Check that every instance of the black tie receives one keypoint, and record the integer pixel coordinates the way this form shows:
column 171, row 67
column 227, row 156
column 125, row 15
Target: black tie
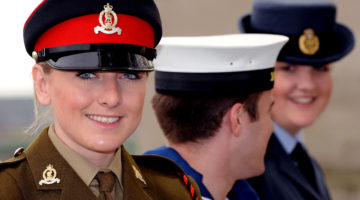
column 304, row 164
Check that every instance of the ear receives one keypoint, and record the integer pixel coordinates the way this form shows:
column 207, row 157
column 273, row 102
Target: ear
column 235, row 118
column 41, row 85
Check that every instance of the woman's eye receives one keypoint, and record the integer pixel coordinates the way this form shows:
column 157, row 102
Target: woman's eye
column 289, row 68
column 86, row 75
column 323, row 68
column 131, row 76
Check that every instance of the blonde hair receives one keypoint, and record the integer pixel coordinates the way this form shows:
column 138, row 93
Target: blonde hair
column 43, row 114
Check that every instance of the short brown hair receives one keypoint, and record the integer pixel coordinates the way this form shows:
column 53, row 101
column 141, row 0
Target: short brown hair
column 45, row 67
column 189, row 119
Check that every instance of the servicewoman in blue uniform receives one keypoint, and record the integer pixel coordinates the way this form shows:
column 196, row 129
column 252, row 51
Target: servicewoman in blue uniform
column 212, row 102
column 92, row 62
column 302, row 90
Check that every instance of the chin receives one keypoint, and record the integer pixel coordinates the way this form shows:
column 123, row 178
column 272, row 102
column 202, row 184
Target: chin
column 307, row 121
column 105, row 147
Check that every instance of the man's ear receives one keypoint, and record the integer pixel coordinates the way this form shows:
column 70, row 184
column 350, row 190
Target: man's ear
column 41, row 85
column 235, row 118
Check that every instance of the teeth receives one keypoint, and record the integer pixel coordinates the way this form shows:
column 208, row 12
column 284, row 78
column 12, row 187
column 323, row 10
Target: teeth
column 303, row 100
column 106, row 120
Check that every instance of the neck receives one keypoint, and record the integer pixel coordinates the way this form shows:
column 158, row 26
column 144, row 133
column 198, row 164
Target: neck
column 101, row 160
column 291, row 129
column 209, row 159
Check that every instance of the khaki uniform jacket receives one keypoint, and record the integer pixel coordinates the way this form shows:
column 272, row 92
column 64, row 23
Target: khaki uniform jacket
column 144, row 177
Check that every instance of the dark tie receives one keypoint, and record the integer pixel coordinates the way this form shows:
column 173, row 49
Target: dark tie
column 304, row 164
column 106, row 184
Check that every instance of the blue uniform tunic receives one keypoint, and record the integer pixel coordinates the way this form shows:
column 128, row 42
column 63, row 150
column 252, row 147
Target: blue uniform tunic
column 240, row 190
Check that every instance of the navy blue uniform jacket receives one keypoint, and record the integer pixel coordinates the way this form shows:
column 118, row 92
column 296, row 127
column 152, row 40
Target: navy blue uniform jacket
column 241, row 189
column 282, row 180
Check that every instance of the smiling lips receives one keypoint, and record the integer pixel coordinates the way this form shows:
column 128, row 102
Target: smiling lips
column 303, row 100
column 102, row 119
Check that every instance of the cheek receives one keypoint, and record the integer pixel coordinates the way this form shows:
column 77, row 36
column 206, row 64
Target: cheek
column 62, row 103
column 324, row 91
column 268, row 127
column 325, row 86
column 282, row 86
column 135, row 100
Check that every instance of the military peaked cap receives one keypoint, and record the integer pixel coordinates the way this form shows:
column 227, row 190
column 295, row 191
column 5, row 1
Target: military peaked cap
column 315, row 36
column 93, row 34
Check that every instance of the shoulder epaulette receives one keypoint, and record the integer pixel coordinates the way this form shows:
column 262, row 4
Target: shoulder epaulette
column 157, row 162
column 167, row 166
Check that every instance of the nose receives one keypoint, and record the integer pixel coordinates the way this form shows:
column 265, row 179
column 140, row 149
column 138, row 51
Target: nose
column 111, row 93
column 306, row 80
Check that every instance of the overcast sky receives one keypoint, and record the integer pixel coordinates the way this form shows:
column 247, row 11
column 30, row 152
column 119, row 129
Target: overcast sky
column 15, row 78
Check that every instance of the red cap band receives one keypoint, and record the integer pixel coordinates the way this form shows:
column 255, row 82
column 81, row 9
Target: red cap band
column 81, row 30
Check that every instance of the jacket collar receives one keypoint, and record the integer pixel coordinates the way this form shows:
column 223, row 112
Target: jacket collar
column 42, row 153
column 135, row 184
column 288, row 168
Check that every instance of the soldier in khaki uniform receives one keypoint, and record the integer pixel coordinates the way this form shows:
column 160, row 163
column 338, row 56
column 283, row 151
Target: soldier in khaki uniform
column 92, row 62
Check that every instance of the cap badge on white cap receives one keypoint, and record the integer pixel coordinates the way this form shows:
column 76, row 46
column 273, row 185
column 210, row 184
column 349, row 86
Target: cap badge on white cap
column 108, row 20
column 309, row 43
column 272, row 78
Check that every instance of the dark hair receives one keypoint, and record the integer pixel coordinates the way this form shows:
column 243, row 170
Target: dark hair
column 190, row 119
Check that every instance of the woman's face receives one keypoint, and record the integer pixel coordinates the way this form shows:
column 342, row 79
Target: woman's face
column 301, row 93
column 95, row 111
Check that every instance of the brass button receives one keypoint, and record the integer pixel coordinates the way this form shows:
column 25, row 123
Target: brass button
column 35, row 56
column 18, row 151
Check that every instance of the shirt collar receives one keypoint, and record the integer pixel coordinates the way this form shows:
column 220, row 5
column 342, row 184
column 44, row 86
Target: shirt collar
column 287, row 140
column 85, row 169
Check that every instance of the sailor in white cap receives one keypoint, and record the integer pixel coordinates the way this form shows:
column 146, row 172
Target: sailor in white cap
column 212, row 102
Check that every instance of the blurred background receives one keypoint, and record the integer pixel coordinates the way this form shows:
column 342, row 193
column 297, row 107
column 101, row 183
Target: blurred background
column 334, row 139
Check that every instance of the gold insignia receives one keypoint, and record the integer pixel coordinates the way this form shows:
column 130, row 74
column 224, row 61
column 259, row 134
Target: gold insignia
column 108, row 20
column 49, row 176
column 309, row 43
column 272, row 74
column 138, row 175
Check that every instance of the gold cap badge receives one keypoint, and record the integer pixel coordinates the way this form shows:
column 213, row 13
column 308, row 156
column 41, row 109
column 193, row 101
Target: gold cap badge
column 309, row 43
column 108, row 20
column 272, row 78
column 49, row 176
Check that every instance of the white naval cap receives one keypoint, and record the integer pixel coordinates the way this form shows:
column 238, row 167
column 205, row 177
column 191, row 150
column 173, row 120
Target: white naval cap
column 222, row 65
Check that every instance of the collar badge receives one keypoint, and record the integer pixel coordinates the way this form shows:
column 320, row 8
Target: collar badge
column 309, row 43
column 108, row 20
column 138, row 175
column 49, row 176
